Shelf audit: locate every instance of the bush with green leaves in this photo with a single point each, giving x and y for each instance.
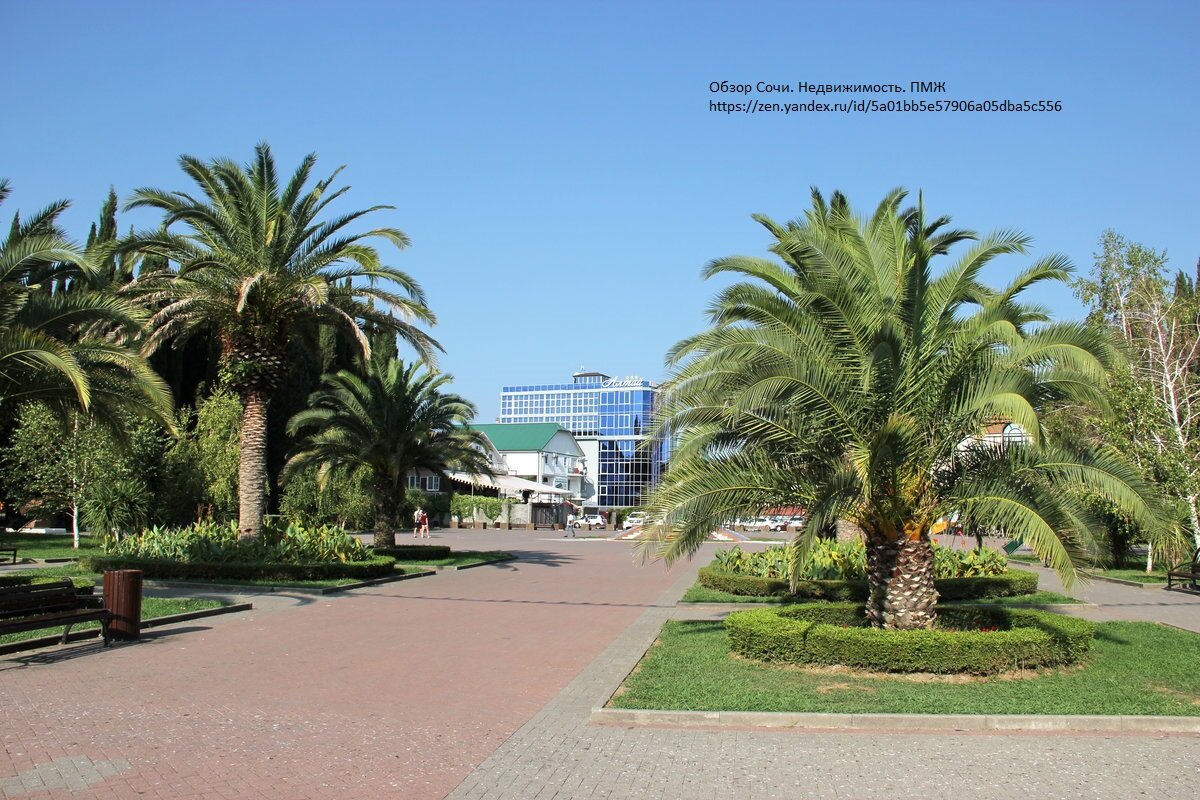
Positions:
(414, 552)
(213, 542)
(833, 560)
(116, 506)
(1007, 584)
(978, 640)
(493, 509)
(343, 501)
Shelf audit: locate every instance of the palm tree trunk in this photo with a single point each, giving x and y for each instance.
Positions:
(252, 463)
(385, 522)
(900, 577)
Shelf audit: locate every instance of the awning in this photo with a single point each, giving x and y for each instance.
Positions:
(509, 483)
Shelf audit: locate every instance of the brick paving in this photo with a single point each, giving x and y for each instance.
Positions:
(398, 690)
(477, 684)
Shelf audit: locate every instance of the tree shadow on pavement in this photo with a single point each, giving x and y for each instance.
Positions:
(54, 654)
(541, 558)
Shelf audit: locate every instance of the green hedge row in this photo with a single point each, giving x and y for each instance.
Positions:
(82, 585)
(837, 634)
(415, 552)
(1013, 582)
(377, 567)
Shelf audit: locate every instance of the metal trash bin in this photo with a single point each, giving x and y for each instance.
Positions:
(123, 598)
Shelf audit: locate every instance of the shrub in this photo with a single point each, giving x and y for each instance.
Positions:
(982, 641)
(1011, 583)
(832, 560)
(415, 552)
(376, 567)
(211, 542)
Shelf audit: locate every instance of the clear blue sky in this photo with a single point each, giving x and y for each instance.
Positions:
(556, 164)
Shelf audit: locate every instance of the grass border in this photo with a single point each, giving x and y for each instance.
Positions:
(94, 633)
(934, 723)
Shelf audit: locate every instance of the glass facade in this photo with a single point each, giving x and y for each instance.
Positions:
(617, 414)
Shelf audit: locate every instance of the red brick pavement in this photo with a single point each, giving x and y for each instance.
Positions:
(397, 691)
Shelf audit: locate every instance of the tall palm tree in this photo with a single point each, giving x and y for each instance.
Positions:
(390, 420)
(72, 349)
(853, 380)
(255, 268)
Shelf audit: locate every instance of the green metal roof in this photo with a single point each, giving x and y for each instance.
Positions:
(532, 436)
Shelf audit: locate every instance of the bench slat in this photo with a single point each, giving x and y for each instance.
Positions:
(52, 620)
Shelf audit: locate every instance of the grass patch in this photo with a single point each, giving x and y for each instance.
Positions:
(702, 594)
(151, 607)
(1133, 668)
(461, 558)
(76, 571)
(1135, 575)
(49, 545)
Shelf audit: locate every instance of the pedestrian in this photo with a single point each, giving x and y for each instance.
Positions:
(417, 522)
(425, 524)
(570, 525)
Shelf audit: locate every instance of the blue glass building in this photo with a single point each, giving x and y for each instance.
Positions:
(611, 419)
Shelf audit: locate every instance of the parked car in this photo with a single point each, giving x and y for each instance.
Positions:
(591, 520)
(634, 520)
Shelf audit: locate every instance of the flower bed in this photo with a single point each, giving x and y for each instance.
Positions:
(975, 640)
(1007, 584)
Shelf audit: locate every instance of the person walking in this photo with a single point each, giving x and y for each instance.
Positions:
(424, 524)
(570, 525)
(417, 522)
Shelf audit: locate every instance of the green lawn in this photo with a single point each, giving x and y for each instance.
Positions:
(460, 558)
(1134, 668)
(48, 545)
(702, 594)
(151, 607)
(75, 571)
(1135, 575)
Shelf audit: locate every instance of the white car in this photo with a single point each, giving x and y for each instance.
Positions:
(634, 520)
(591, 520)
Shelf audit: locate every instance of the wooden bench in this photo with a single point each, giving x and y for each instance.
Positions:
(11, 549)
(1187, 573)
(48, 605)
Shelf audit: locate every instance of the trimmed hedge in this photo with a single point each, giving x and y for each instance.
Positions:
(1013, 582)
(377, 567)
(415, 552)
(82, 585)
(838, 634)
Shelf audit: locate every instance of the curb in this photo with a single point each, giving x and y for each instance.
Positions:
(1123, 582)
(473, 566)
(940, 723)
(155, 622)
(363, 584)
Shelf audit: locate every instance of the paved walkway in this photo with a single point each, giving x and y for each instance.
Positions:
(1116, 601)
(398, 691)
(477, 684)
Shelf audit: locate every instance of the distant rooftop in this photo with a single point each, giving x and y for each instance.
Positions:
(520, 436)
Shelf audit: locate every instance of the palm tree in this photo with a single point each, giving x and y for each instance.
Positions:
(852, 380)
(389, 420)
(256, 269)
(62, 343)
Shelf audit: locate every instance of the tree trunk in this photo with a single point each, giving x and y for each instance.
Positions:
(385, 524)
(900, 577)
(252, 463)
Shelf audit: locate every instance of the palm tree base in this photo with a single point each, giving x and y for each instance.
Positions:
(900, 577)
